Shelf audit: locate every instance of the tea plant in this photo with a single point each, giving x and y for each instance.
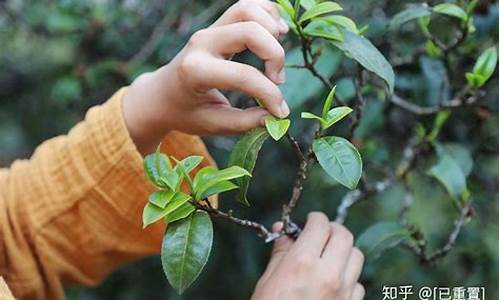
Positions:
(319, 26)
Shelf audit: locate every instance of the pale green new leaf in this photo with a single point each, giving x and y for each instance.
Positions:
(151, 214)
(277, 128)
(340, 159)
(414, 11)
(341, 21)
(307, 4)
(191, 162)
(308, 115)
(475, 80)
(161, 198)
(218, 188)
(336, 114)
(287, 7)
(381, 237)
(244, 154)
(323, 29)
(320, 9)
(450, 9)
(328, 103)
(209, 179)
(157, 165)
(363, 51)
(486, 64)
(185, 249)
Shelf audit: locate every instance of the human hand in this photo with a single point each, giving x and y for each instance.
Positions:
(321, 264)
(185, 95)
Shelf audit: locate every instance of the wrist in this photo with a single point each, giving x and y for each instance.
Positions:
(145, 111)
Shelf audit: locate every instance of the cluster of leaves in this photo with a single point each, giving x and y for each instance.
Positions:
(188, 238)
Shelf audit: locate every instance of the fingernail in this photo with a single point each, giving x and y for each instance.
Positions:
(285, 111)
(283, 25)
(281, 76)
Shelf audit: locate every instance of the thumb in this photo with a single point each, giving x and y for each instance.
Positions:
(280, 249)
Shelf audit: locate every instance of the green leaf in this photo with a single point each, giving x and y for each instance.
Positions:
(218, 188)
(363, 51)
(486, 64)
(205, 180)
(307, 4)
(449, 173)
(432, 50)
(341, 21)
(157, 165)
(475, 80)
(381, 237)
(185, 249)
(277, 128)
(191, 162)
(414, 11)
(460, 154)
(153, 213)
(301, 86)
(308, 115)
(336, 114)
(244, 154)
(328, 103)
(340, 159)
(323, 29)
(320, 9)
(181, 212)
(287, 7)
(450, 9)
(161, 198)
(439, 122)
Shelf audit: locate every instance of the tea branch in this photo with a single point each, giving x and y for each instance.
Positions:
(419, 245)
(261, 229)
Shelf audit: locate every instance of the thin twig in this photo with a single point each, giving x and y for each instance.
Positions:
(262, 230)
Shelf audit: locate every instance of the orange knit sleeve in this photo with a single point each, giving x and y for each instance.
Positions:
(72, 212)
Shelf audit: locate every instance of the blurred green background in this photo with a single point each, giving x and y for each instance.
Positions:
(58, 58)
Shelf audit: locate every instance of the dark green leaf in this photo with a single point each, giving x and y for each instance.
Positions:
(449, 173)
(244, 154)
(381, 237)
(363, 51)
(277, 128)
(185, 250)
(340, 159)
(450, 9)
(460, 154)
(180, 213)
(320, 9)
(414, 11)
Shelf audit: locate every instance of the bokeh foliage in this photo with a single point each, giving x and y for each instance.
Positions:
(58, 58)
